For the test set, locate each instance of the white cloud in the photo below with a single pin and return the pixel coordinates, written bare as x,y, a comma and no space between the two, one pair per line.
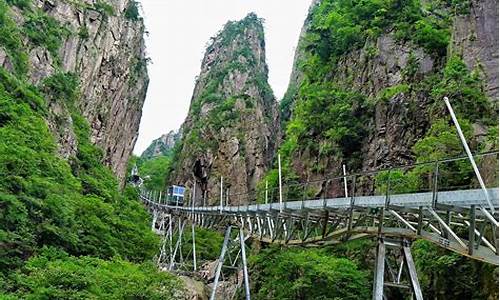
178,33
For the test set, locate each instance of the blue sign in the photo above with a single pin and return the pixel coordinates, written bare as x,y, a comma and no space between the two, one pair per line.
178,191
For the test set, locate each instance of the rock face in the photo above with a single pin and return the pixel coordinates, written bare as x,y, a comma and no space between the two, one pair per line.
397,123
232,125
103,46
286,104
162,145
475,37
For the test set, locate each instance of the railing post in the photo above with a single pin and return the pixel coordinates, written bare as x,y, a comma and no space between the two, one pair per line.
221,192
280,187
170,232
266,192
351,209
472,228
435,187
387,190
345,181
420,220
325,194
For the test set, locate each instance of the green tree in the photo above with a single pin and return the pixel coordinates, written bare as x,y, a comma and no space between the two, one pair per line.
154,172
306,274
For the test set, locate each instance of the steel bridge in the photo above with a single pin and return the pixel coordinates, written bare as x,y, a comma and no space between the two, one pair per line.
460,219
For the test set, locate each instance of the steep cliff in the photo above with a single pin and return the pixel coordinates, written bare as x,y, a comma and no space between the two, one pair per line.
162,146
369,80
232,124
72,82
102,44
367,91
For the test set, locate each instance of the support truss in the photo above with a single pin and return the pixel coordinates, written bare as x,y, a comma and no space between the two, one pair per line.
389,271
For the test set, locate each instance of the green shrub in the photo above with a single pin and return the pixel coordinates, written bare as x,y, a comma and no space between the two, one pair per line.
104,8
397,181
387,93
62,86
45,31
22,4
55,275
132,11
314,126
234,28
11,40
83,32
439,270
432,37
465,91
208,244
154,171
442,142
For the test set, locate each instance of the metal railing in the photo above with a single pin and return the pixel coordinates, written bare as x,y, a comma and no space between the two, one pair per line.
431,176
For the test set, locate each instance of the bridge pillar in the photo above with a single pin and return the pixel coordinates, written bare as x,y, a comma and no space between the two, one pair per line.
384,275
230,245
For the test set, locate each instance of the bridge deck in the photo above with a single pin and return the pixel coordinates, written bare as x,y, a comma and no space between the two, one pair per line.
409,216
460,198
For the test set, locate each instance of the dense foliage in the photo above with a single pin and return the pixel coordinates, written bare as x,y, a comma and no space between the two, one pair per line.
447,275
208,243
154,171
297,273
10,40
47,201
55,275
132,11
441,141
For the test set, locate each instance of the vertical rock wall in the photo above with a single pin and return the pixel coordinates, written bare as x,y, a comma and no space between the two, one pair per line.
105,49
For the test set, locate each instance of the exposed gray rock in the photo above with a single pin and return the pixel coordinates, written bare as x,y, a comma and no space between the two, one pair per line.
370,73
233,117
194,290
475,37
162,145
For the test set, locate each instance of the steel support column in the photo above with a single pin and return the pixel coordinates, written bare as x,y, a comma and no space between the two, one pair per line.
221,262
378,278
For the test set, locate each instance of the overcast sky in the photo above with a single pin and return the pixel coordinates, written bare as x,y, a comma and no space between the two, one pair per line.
178,34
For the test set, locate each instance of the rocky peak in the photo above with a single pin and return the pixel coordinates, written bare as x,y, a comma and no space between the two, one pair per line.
162,145
101,42
232,124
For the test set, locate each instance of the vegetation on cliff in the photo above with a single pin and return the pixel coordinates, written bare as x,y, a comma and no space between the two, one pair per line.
65,227
224,112
338,28
231,127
